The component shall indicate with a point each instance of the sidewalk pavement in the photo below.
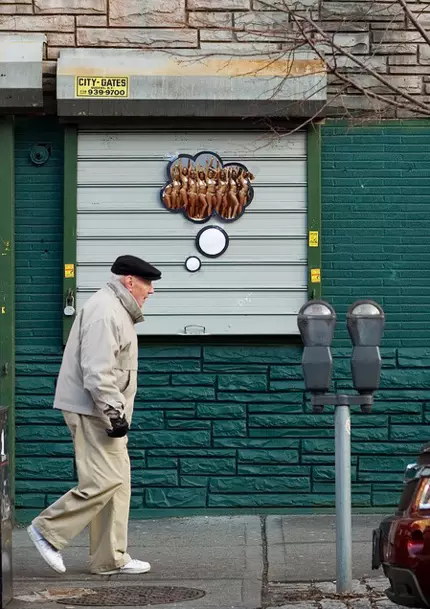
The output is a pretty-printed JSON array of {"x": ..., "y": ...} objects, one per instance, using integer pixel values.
[{"x": 240, "y": 562}]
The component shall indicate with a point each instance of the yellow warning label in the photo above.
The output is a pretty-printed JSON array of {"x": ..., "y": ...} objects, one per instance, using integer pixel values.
[
  {"x": 69, "y": 271},
  {"x": 313, "y": 238},
  {"x": 3, "y": 310},
  {"x": 102, "y": 86},
  {"x": 316, "y": 275}
]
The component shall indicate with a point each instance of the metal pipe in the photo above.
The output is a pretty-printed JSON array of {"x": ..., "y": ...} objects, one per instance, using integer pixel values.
[{"x": 343, "y": 495}]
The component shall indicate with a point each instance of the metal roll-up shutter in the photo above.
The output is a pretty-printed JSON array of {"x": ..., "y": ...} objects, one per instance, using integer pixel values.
[{"x": 256, "y": 287}]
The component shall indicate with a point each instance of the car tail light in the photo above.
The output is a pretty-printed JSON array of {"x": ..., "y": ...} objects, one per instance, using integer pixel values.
[
  {"x": 415, "y": 542},
  {"x": 386, "y": 552}
]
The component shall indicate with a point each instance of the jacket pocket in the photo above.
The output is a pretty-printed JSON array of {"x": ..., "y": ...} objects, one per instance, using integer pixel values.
[
  {"x": 125, "y": 372},
  {"x": 123, "y": 379}
]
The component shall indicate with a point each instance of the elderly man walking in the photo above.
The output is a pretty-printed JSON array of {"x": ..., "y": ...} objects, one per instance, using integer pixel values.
[{"x": 96, "y": 390}]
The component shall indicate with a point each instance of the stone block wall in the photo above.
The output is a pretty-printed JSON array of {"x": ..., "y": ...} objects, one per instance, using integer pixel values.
[
  {"x": 377, "y": 33},
  {"x": 222, "y": 428},
  {"x": 228, "y": 427}
]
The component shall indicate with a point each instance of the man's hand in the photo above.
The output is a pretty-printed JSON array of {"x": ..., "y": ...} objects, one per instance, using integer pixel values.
[{"x": 119, "y": 429}]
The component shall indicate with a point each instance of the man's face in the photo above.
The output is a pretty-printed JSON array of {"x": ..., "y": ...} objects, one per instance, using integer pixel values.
[{"x": 140, "y": 289}]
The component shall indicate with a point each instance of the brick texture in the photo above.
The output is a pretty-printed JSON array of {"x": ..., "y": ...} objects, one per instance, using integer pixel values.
[
  {"x": 38, "y": 229},
  {"x": 376, "y": 223},
  {"x": 229, "y": 427}
]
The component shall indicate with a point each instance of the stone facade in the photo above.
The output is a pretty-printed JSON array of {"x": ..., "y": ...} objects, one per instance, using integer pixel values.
[{"x": 379, "y": 34}]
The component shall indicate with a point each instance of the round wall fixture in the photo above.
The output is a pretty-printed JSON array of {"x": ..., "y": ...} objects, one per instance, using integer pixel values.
[
  {"x": 39, "y": 154},
  {"x": 212, "y": 241},
  {"x": 193, "y": 264}
]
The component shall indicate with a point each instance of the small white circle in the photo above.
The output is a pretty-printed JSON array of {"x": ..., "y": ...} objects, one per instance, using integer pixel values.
[
  {"x": 193, "y": 264},
  {"x": 212, "y": 241}
]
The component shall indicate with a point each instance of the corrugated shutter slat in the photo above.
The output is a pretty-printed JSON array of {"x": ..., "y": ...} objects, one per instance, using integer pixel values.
[{"x": 255, "y": 287}]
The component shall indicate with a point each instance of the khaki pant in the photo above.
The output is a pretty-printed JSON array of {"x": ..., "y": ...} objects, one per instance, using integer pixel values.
[{"x": 101, "y": 499}]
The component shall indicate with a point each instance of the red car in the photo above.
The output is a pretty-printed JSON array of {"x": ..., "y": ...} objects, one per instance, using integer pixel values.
[{"x": 401, "y": 544}]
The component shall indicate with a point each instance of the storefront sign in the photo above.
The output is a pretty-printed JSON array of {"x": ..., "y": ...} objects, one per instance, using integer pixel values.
[
  {"x": 102, "y": 86},
  {"x": 201, "y": 186}
]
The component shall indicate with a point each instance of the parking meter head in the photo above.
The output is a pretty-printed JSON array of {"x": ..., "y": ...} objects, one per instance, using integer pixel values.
[
  {"x": 316, "y": 322},
  {"x": 365, "y": 323}
]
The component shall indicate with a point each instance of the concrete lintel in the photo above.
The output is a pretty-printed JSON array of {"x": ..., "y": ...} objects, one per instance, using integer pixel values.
[
  {"x": 189, "y": 83},
  {"x": 21, "y": 57}
]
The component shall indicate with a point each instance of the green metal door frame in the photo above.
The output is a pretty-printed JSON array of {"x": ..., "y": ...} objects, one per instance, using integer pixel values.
[
  {"x": 70, "y": 222},
  {"x": 7, "y": 283},
  {"x": 314, "y": 211}
]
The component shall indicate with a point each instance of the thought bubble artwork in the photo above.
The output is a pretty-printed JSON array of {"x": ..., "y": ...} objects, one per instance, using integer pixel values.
[{"x": 202, "y": 186}]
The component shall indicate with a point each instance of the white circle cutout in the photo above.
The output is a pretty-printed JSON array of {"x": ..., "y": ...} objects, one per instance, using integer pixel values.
[
  {"x": 193, "y": 264},
  {"x": 212, "y": 241}
]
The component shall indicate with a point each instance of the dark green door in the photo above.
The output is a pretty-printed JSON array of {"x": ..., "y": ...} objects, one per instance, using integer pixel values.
[{"x": 7, "y": 281}]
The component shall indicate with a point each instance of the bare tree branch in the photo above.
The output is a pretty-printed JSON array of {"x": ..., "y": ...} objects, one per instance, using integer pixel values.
[
  {"x": 383, "y": 67},
  {"x": 425, "y": 110},
  {"x": 368, "y": 69},
  {"x": 414, "y": 21}
]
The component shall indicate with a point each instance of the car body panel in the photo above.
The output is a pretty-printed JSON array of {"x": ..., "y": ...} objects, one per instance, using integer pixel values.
[{"x": 401, "y": 543}]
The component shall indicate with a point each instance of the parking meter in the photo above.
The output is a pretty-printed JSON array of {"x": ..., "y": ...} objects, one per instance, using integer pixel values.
[
  {"x": 365, "y": 323},
  {"x": 316, "y": 322}
]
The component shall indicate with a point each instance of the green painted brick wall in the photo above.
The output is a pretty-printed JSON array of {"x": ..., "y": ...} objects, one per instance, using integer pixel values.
[
  {"x": 38, "y": 234},
  {"x": 376, "y": 225},
  {"x": 376, "y": 221},
  {"x": 228, "y": 427}
]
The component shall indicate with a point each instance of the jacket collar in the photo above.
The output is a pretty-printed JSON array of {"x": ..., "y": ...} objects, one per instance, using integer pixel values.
[{"x": 127, "y": 300}]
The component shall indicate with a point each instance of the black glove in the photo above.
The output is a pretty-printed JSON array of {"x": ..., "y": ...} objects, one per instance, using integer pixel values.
[{"x": 119, "y": 429}]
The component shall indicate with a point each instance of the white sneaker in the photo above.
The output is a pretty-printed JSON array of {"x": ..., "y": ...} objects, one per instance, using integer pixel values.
[
  {"x": 47, "y": 552},
  {"x": 134, "y": 567}
]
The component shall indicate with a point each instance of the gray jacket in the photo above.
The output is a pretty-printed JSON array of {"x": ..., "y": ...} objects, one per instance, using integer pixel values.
[{"x": 99, "y": 367}]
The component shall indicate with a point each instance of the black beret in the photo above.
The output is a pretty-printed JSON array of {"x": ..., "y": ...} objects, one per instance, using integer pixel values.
[{"x": 131, "y": 265}]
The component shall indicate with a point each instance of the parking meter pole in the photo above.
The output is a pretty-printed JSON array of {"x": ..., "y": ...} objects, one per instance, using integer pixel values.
[
  {"x": 365, "y": 321},
  {"x": 342, "y": 423},
  {"x": 343, "y": 495}
]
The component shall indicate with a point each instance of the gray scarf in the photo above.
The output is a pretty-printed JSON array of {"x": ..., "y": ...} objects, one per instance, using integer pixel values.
[{"x": 127, "y": 300}]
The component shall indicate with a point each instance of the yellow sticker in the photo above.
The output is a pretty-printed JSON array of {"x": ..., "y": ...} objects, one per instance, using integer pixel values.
[
  {"x": 102, "y": 86},
  {"x": 316, "y": 275},
  {"x": 3, "y": 310},
  {"x": 69, "y": 271},
  {"x": 313, "y": 238}
]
